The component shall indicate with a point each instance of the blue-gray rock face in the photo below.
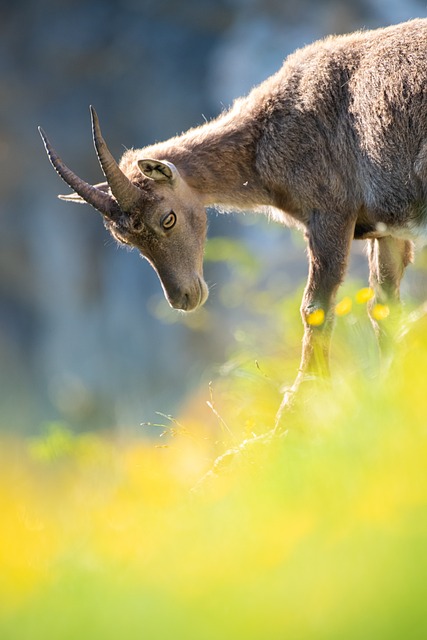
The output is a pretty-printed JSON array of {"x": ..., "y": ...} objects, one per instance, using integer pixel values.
[{"x": 80, "y": 335}]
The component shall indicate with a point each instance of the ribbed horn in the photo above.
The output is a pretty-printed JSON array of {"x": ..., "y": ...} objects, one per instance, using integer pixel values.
[
  {"x": 126, "y": 193},
  {"x": 100, "y": 200}
]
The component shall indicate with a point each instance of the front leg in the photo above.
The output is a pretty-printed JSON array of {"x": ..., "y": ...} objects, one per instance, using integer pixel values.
[{"x": 329, "y": 240}]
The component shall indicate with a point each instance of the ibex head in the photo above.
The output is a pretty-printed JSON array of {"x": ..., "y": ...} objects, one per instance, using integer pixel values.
[{"x": 153, "y": 210}]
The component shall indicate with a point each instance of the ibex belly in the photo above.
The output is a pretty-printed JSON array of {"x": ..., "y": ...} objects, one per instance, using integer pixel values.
[{"x": 413, "y": 228}]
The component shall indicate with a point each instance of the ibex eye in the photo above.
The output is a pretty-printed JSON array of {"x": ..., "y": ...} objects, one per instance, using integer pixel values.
[{"x": 168, "y": 221}]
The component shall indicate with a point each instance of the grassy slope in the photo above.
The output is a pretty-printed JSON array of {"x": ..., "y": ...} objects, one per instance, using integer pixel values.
[{"x": 321, "y": 536}]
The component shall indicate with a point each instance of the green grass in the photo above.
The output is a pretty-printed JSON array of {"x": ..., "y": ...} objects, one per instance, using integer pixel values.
[{"x": 322, "y": 535}]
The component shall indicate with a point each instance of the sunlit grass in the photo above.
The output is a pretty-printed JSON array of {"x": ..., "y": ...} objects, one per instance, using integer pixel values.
[{"x": 321, "y": 535}]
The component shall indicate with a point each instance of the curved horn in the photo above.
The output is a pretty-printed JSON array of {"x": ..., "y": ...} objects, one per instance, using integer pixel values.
[
  {"x": 100, "y": 200},
  {"x": 125, "y": 192}
]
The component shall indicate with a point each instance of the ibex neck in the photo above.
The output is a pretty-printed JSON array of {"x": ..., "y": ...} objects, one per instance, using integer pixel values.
[{"x": 218, "y": 161}]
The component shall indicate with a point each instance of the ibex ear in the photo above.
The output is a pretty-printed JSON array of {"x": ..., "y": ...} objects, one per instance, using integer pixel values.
[
  {"x": 74, "y": 197},
  {"x": 160, "y": 170}
]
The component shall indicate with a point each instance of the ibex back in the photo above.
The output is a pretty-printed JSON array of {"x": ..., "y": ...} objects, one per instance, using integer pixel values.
[{"x": 334, "y": 143}]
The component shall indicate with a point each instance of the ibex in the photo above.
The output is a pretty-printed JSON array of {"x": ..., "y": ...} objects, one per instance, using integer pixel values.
[{"x": 334, "y": 143}]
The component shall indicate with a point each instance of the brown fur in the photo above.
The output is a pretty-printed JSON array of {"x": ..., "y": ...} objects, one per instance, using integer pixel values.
[{"x": 335, "y": 142}]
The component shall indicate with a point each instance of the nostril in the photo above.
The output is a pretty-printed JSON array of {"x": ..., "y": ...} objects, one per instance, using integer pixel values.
[
  {"x": 185, "y": 301},
  {"x": 179, "y": 301}
]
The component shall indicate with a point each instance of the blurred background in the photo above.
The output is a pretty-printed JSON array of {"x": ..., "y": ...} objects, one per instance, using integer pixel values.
[{"x": 86, "y": 337}]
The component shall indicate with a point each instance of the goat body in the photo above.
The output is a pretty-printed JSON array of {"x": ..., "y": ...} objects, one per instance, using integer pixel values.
[{"x": 335, "y": 143}]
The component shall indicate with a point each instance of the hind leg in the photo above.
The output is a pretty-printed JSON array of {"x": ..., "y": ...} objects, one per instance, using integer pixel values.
[{"x": 388, "y": 258}]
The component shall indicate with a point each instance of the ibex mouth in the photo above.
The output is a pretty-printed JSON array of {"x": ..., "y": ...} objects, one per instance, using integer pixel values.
[
  {"x": 204, "y": 292},
  {"x": 191, "y": 299}
]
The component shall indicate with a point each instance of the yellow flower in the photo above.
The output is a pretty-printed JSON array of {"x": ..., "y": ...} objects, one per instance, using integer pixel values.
[
  {"x": 343, "y": 307},
  {"x": 316, "y": 318},
  {"x": 380, "y": 312},
  {"x": 364, "y": 295}
]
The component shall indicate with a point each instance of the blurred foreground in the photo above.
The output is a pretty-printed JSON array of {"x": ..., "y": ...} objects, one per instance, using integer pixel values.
[{"x": 320, "y": 536}]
